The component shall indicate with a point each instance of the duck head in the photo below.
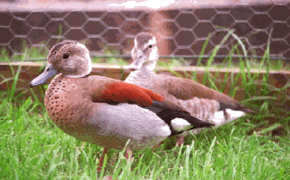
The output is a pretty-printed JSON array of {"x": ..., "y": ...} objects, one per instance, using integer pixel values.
[
  {"x": 70, "y": 58},
  {"x": 145, "y": 52}
]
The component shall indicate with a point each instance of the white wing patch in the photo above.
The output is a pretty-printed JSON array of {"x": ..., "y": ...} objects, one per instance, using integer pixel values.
[
  {"x": 219, "y": 118},
  {"x": 179, "y": 124}
]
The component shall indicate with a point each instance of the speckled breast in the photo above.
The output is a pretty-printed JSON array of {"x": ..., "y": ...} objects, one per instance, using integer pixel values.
[{"x": 64, "y": 103}]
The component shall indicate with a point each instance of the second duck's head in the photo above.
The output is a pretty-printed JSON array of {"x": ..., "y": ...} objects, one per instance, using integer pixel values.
[
  {"x": 145, "y": 52},
  {"x": 70, "y": 58}
]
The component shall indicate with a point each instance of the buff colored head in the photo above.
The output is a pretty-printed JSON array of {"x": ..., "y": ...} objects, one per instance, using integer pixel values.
[
  {"x": 145, "y": 52},
  {"x": 70, "y": 58}
]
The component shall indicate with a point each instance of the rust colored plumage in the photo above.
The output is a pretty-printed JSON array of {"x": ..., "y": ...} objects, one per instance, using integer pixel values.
[{"x": 125, "y": 92}]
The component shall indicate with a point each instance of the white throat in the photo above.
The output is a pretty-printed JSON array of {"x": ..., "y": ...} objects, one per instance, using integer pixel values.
[{"x": 149, "y": 65}]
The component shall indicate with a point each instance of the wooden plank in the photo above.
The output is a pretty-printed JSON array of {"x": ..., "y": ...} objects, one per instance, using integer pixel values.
[{"x": 30, "y": 70}]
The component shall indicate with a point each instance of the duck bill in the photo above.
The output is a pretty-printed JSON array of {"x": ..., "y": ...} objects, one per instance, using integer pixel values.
[
  {"x": 135, "y": 65},
  {"x": 42, "y": 78},
  {"x": 138, "y": 62}
]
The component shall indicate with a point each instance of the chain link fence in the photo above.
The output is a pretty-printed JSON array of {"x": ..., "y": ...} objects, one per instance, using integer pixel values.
[{"x": 181, "y": 32}]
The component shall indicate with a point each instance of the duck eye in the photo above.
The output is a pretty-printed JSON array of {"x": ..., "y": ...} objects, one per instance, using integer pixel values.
[
  {"x": 150, "y": 46},
  {"x": 65, "y": 56}
]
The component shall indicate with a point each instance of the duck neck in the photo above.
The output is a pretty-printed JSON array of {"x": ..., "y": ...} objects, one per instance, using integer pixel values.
[{"x": 149, "y": 66}]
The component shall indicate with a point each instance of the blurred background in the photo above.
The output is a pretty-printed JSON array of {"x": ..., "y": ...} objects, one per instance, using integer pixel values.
[{"x": 186, "y": 29}]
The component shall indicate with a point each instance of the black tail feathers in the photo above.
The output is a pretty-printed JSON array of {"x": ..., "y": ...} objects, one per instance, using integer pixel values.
[{"x": 168, "y": 115}]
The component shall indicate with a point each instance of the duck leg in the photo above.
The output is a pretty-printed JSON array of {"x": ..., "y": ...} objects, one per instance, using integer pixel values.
[
  {"x": 179, "y": 141},
  {"x": 157, "y": 145},
  {"x": 128, "y": 154},
  {"x": 101, "y": 161}
]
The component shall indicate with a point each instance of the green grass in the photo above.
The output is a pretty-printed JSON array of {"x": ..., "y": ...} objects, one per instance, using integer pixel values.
[
  {"x": 253, "y": 147},
  {"x": 32, "y": 147}
]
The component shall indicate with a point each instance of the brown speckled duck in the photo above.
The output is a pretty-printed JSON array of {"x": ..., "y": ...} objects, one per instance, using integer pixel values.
[
  {"x": 201, "y": 101},
  {"x": 104, "y": 111}
]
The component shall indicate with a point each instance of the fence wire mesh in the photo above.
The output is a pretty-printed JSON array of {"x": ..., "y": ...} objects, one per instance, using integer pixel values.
[{"x": 181, "y": 32}]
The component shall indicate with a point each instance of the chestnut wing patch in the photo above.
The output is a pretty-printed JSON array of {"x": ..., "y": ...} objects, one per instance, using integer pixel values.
[{"x": 118, "y": 92}]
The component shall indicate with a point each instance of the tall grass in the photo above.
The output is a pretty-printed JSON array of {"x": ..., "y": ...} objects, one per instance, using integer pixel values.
[{"x": 32, "y": 147}]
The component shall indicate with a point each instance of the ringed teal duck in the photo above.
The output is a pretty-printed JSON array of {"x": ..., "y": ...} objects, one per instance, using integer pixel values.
[
  {"x": 104, "y": 111},
  {"x": 202, "y": 102}
]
